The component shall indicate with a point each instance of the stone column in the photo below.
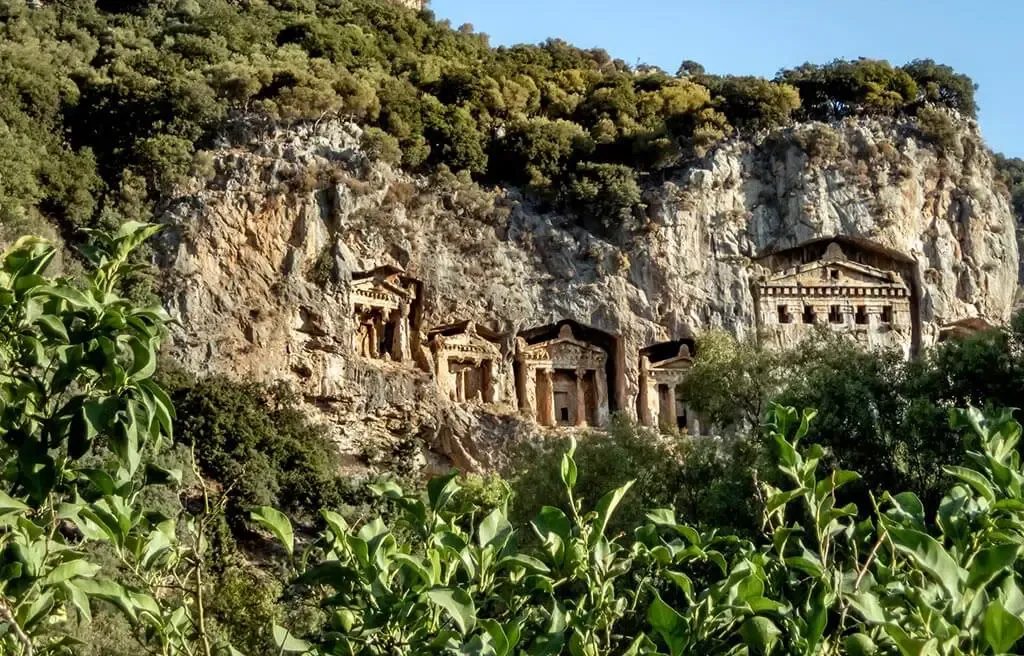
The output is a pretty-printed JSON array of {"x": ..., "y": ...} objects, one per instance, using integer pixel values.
[
  {"x": 526, "y": 386},
  {"x": 581, "y": 398},
  {"x": 601, "y": 385},
  {"x": 401, "y": 350},
  {"x": 441, "y": 371},
  {"x": 374, "y": 336},
  {"x": 490, "y": 372},
  {"x": 645, "y": 392},
  {"x": 666, "y": 406},
  {"x": 460, "y": 386},
  {"x": 546, "y": 398}
]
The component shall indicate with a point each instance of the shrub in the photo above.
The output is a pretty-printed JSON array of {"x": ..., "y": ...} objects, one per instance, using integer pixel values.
[
  {"x": 708, "y": 482},
  {"x": 823, "y": 578},
  {"x": 256, "y": 440},
  {"x": 936, "y": 127},
  {"x": 378, "y": 144},
  {"x": 605, "y": 196}
]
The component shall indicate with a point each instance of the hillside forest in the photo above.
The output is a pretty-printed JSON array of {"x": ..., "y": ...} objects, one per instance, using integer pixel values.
[{"x": 856, "y": 503}]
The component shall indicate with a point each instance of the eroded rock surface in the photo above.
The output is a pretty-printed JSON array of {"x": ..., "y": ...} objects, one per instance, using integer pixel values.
[{"x": 259, "y": 262}]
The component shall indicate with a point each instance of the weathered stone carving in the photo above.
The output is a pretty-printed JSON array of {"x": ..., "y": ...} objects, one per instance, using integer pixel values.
[
  {"x": 384, "y": 323},
  {"x": 848, "y": 295},
  {"x": 469, "y": 364},
  {"x": 563, "y": 381},
  {"x": 663, "y": 368}
]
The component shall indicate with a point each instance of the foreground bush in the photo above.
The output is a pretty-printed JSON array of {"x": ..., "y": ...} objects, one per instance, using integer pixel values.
[{"x": 825, "y": 579}]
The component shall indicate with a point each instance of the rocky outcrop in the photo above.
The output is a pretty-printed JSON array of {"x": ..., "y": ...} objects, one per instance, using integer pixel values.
[{"x": 258, "y": 261}]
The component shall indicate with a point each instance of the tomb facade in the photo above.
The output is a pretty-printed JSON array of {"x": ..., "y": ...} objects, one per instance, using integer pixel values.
[
  {"x": 562, "y": 381},
  {"x": 865, "y": 295},
  {"x": 663, "y": 369},
  {"x": 386, "y": 314},
  {"x": 469, "y": 364}
]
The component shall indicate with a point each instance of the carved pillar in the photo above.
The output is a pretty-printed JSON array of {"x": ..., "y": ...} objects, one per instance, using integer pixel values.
[
  {"x": 546, "y": 398},
  {"x": 460, "y": 386},
  {"x": 373, "y": 334},
  {"x": 666, "y": 406},
  {"x": 441, "y": 371},
  {"x": 401, "y": 349},
  {"x": 527, "y": 384},
  {"x": 581, "y": 398},
  {"x": 601, "y": 385},
  {"x": 644, "y": 409},
  {"x": 490, "y": 374}
]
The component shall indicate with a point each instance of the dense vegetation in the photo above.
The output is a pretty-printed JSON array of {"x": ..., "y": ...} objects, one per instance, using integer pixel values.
[
  {"x": 97, "y": 528},
  {"x": 105, "y": 104}
]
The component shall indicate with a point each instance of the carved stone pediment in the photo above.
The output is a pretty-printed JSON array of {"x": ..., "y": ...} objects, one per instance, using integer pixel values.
[
  {"x": 675, "y": 364},
  {"x": 565, "y": 353},
  {"x": 836, "y": 274},
  {"x": 469, "y": 343},
  {"x": 380, "y": 292}
]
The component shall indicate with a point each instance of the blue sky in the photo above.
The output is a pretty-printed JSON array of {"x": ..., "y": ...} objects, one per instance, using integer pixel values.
[{"x": 758, "y": 37}]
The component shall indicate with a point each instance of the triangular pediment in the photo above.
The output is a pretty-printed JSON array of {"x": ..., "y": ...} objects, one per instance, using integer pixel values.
[
  {"x": 564, "y": 345},
  {"x": 834, "y": 273},
  {"x": 375, "y": 286},
  {"x": 679, "y": 362}
]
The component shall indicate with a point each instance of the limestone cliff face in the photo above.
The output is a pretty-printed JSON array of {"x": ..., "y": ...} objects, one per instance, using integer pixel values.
[{"x": 260, "y": 257}]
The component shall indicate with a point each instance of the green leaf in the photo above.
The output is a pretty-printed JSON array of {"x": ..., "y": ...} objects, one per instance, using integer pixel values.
[
  {"x": 683, "y": 581},
  {"x": 495, "y": 529},
  {"x": 907, "y": 508},
  {"x": 441, "y": 490},
  {"x": 459, "y": 605},
  {"x": 669, "y": 624},
  {"x": 277, "y": 524},
  {"x": 910, "y": 646},
  {"x": 780, "y": 499},
  {"x": 499, "y": 639},
  {"x": 760, "y": 633},
  {"x": 288, "y": 643},
  {"x": 74, "y": 297},
  {"x": 70, "y": 570},
  {"x": 605, "y": 509},
  {"x": 1001, "y": 628},
  {"x": 928, "y": 554},
  {"x": 524, "y": 561},
  {"x": 53, "y": 327},
  {"x": 568, "y": 469},
  {"x": 867, "y": 605},
  {"x": 551, "y": 520},
  {"x": 662, "y": 517},
  {"x": 977, "y": 481},
  {"x": 991, "y": 562},
  {"x": 335, "y": 522},
  {"x": 386, "y": 489},
  {"x": 9, "y": 504},
  {"x": 143, "y": 358},
  {"x": 109, "y": 591},
  {"x": 157, "y": 475}
]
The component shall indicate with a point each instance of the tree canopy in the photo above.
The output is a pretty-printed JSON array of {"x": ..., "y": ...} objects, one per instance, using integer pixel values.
[{"x": 105, "y": 104}]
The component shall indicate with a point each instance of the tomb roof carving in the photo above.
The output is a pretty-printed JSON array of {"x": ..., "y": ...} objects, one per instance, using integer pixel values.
[
  {"x": 854, "y": 274},
  {"x": 682, "y": 360},
  {"x": 673, "y": 350},
  {"x": 465, "y": 327},
  {"x": 847, "y": 244},
  {"x": 384, "y": 284},
  {"x": 563, "y": 350}
]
